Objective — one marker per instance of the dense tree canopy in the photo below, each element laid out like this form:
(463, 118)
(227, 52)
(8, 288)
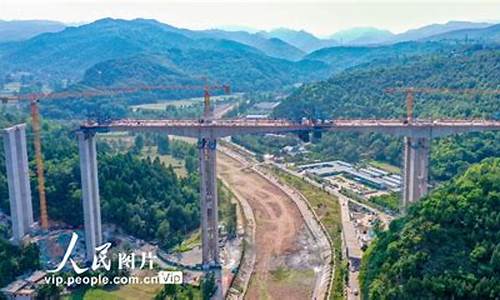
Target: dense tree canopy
(447, 247)
(145, 197)
(360, 91)
(15, 261)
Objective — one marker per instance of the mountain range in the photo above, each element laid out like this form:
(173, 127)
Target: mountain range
(121, 49)
(438, 29)
(301, 39)
(11, 31)
(282, 42)
(362, 36)
(113, 51)
(343, 57)
(485, 34)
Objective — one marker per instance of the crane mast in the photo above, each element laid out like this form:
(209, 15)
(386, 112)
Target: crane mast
(207, 110)
(409, 106)
(37, 142)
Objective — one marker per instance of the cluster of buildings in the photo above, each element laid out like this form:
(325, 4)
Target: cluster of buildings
(370, 176)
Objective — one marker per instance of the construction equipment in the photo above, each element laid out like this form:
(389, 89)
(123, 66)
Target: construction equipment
(37, 142)
(411, 91)
(34, 98)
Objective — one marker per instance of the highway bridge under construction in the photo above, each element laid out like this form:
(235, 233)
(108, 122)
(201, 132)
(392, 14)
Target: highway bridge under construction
(417, 135)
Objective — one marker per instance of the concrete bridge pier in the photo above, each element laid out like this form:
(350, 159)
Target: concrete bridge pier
(16, 161)
(416, 170)
(90, 192)
(209, 203)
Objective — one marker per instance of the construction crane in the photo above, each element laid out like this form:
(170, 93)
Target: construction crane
(411, 91)
(34, 98)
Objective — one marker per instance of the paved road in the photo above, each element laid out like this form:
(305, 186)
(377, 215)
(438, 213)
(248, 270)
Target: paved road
(353, 247)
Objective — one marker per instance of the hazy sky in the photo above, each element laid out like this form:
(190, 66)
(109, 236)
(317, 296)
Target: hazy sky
(321, 18)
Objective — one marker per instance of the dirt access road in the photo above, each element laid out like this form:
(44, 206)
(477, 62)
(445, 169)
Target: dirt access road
(284, 263)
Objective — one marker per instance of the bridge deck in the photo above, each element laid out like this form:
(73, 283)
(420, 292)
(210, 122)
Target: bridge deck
(221, 127)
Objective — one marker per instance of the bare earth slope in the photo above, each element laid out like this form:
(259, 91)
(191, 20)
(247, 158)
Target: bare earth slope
(284, 265)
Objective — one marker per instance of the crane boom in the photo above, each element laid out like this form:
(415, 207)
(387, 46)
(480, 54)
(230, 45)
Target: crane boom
(96, 92)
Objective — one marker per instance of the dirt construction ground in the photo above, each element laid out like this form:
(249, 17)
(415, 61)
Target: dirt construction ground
(284, 261)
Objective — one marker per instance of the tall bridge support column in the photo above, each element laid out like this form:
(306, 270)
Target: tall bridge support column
(16, 161)
(416, 170)
(90, 192)
(209, 205)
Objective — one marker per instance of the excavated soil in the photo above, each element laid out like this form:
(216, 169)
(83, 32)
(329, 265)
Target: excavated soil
(284, 265)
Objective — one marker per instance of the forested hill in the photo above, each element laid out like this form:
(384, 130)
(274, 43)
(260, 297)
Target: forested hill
(447, 247)
(359, 92)
(343, 57)
(243, 71)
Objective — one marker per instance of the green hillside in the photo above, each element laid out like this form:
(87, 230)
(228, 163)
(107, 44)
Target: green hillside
(68, 53)
(447, 247)
(344, 57)
(359, 93)
(243, 71)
